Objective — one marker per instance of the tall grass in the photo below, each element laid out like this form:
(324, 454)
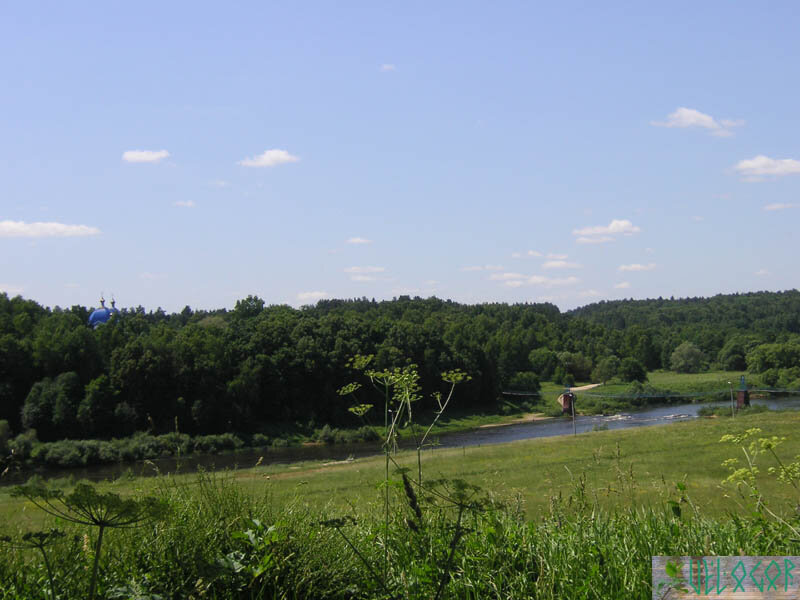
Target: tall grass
(219, 541)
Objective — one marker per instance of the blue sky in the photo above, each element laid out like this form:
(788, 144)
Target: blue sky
(194, 153)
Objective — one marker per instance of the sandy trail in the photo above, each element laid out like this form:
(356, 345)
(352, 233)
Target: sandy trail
(583, 388)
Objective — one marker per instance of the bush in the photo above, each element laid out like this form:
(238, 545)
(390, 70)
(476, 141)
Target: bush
(23, 444)
(65, 453)
(214, 444)
(324, 435)
(259, 440)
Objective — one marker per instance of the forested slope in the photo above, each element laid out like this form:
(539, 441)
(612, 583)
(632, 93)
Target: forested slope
(215, 371)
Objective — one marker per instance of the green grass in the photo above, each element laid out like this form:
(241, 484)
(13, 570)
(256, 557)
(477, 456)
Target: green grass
(679, 383)
(596, 507)
(538, 469)
(534, 469)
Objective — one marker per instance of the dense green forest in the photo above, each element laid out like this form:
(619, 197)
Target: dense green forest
(260, 367)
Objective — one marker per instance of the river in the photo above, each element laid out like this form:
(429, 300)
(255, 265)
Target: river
(476, 437)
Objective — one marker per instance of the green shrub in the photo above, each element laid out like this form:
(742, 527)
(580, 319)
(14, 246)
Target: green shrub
(259, 440)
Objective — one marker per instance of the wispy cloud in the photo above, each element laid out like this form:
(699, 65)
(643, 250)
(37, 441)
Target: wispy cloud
(689, 117)
(561, 264)
(362, 270)
(387, 68)
(144, 156)
(604, 239)
(752, 169)
(11, 290)
(506, 276)
(269, 158)
(616, 227)
(622, 285)
(540, 280)
(780, 206)
(483, 268)
(762, 272)
(311, 296)
(358, 240)
(589, 294)
(185, 203)
(529, 253)
(362, 278)
(638, 267)
(12, 229)
(557, 256)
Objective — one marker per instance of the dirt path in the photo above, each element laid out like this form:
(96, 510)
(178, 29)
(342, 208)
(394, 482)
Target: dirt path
(583, 388)
(526, 418)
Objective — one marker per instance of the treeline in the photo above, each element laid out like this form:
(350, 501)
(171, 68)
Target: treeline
(261, 368)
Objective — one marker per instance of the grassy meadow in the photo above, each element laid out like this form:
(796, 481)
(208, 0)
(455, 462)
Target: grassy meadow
(558, 517)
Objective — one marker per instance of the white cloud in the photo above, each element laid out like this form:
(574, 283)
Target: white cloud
(11, 290)
(762, 272)
(638, 267)
(387, 67)
(689, 117)
(616, 226)
(731, 122)
(506, 276)
(9, 229)
(362, 278)
(144, 156)
(185, 203)
(589, 294)
(534, 253)
(483, 268)
(622, 285)
(542, 281)
(561, 264)
(753, 168)
(364, 270)
(311, 296)
(269, 158)
(779, 206)
(557, 256)
(359, 240)
(594, 240)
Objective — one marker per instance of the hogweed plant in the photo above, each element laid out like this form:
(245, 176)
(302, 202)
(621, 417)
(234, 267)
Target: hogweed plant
(401, 390)
(86, 506)
(38, 540)
(745, 475)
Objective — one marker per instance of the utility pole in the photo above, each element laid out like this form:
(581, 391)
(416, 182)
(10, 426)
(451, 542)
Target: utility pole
(733, 412)
(572, 404)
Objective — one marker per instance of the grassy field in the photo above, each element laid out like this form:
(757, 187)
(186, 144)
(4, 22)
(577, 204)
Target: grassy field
(633, 466)
(575, 517)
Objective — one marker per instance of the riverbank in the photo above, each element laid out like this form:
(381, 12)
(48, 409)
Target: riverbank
(569, 517)
(593, 399)
(644, 461)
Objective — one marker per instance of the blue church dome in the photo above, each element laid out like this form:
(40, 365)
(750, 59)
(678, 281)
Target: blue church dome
(102, 315)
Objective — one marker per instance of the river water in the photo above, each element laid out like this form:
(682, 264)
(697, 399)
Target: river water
(481, 436)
